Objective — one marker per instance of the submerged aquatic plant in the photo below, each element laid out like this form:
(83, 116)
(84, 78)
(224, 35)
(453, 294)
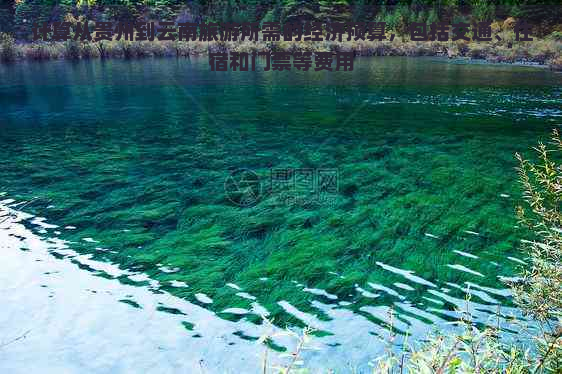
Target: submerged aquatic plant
(538, 293)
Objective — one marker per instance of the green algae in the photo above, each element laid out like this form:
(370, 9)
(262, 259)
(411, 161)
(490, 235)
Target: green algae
(416, 181)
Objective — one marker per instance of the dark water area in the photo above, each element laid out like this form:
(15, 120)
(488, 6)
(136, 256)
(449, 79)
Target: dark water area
(391, 187)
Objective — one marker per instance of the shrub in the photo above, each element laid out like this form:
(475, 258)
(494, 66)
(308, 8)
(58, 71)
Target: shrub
(556, 36)
(483, 10)
(462, 47)
(140, 49)
(479, 52)
(125, 49)
(159, 49)
(71, 50)
(472, 351)
(7, 48)
(556, 63)
(539, 292)
(101, 48)
(509, 23)
(87, 50)
(41, 51)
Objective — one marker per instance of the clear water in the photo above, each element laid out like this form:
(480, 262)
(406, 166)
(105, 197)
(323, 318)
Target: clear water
(130, 160)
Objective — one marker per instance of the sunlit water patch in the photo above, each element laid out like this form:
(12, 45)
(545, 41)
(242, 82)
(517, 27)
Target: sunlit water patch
(70, 314)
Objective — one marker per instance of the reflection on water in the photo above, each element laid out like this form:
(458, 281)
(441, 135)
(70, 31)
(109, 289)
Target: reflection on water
(56, 315)
(130, 243)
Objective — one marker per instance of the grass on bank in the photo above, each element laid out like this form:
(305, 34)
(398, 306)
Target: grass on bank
(538, 292)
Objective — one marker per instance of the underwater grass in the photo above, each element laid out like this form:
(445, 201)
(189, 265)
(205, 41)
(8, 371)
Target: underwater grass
(421, 179)
(387, 208)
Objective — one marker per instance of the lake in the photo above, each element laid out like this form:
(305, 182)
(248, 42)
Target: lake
(158, 210)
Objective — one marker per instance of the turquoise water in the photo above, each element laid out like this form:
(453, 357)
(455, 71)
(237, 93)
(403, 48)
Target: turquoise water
(131, 159)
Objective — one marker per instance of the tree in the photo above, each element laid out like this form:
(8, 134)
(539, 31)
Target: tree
(335, 10)
(7, 9)
(301, 10)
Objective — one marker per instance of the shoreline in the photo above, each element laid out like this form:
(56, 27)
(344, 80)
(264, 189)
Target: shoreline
(543, 53)
(441, 58)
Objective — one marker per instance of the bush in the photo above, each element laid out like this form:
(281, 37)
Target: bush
(483, 10)
(125, 49)
(7, 48)
(140, 49)
(159, 49)
(71, 50)
(509, 23)
(41, 51)
(543, 194)
(539, 292)
(556, 64)
(479, 52)
(556, 36)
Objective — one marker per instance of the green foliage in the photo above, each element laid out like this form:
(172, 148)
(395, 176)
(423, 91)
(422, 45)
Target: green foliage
(471, 351)
(275, 14)
(541, 13)
(483, 10)
(164, 10)
(432, 17)
(398, 20)
(540, 291)
(359, 10)
(335, 10)
(7, 16)
(397, 14)
(556, 36)
(301, 10)
(24, 12)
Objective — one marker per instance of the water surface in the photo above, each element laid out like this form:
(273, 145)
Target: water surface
(126, 163)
